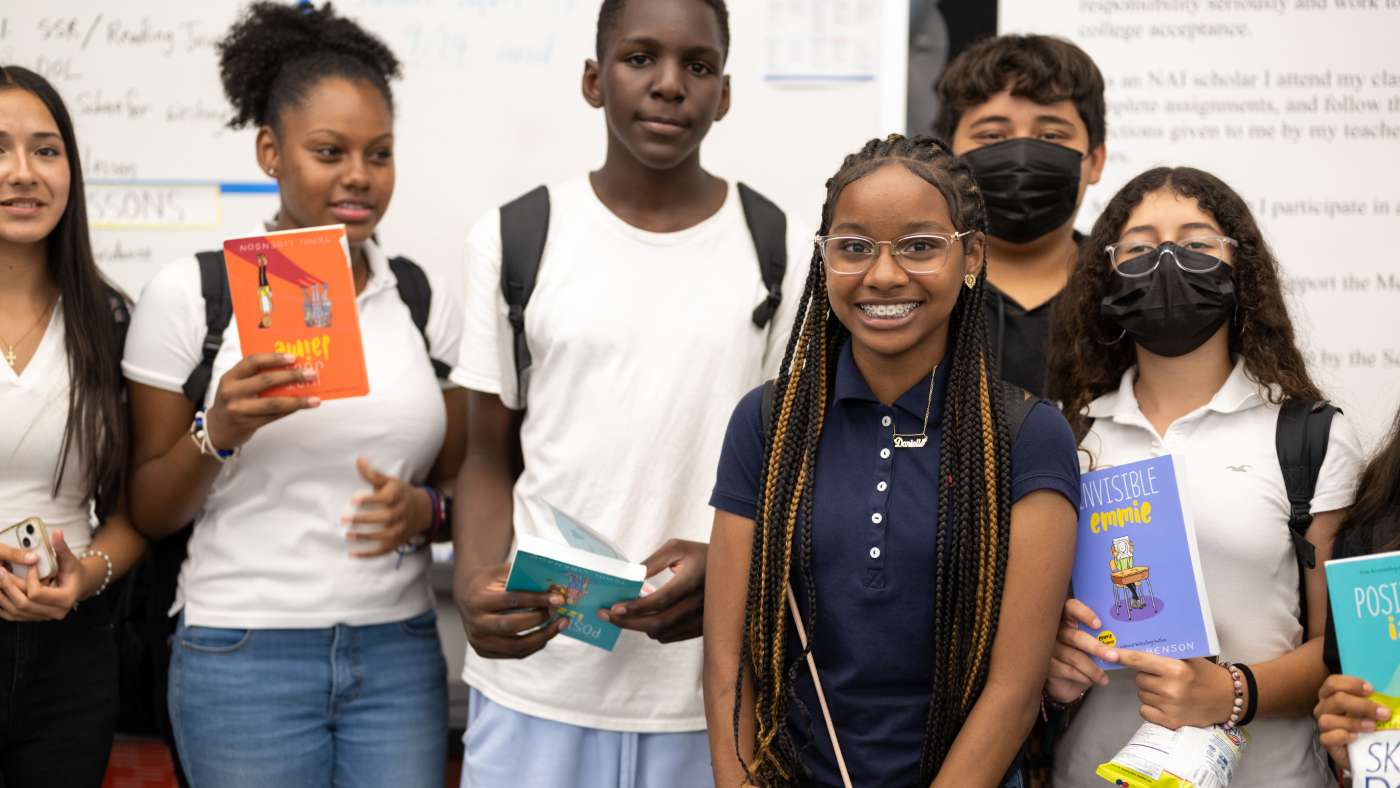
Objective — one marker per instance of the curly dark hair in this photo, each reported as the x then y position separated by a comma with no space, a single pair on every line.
274,54
1087,359
611,11
1372,524
972,524
1044,69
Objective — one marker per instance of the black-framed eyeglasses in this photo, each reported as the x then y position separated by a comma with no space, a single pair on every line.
1140,258
918,253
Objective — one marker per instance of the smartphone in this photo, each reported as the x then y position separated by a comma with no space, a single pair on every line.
31,535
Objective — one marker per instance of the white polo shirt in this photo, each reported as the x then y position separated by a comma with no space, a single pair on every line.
1229,464
33,416
268,550
641,342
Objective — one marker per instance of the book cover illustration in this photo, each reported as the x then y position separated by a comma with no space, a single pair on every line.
1136,564
588,571
293,292
1365,595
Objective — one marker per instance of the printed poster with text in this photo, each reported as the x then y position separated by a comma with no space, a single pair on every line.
1136,564
293,293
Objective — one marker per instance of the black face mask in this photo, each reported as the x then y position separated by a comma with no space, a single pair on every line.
1030,186
1171,312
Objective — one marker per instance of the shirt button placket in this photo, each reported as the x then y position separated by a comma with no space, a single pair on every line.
879,500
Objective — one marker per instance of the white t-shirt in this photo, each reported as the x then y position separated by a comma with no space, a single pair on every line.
641,343
269,550
33,414
1227,456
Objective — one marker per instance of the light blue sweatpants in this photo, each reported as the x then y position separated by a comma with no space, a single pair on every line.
507,749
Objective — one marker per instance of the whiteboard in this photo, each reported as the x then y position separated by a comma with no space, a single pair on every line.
489,106
1296,105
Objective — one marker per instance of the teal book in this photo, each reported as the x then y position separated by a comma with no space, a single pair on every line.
1365,594
587,570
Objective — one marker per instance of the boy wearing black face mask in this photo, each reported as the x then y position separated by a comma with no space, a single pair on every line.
1027,114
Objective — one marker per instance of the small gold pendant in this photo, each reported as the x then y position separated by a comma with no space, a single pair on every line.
11,357
910,442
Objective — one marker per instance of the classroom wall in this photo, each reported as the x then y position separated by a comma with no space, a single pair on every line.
489,106
1294,103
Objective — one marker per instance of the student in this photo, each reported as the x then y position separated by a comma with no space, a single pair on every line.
1372,526
306,650
640,329
927,605
64,440
1027,114
1173,337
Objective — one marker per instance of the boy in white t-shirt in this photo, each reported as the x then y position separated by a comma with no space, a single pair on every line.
642,337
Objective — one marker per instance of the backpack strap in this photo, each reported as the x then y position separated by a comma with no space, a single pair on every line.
417,293
1301,440
768,226
524,228
218,310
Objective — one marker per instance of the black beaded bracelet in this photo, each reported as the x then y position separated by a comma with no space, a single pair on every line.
1253,686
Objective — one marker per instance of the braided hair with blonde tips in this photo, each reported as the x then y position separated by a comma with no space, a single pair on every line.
974,492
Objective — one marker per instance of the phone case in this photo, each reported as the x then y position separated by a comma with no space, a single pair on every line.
31,534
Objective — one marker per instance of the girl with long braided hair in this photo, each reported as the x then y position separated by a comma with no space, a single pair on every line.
926,548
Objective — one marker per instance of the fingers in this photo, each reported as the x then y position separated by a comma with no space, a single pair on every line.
1079,613
1350,685
1143,662
67,562
14,555
1354,706
1075,638
487,600
15,602
680,621
680,588
1335,742
1075,663
369,474
518,646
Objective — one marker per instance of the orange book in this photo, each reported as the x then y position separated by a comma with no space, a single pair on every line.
293,292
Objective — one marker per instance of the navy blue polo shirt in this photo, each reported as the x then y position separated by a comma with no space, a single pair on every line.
875,514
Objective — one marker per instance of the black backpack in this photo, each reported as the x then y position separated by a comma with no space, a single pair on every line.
525,227
143,597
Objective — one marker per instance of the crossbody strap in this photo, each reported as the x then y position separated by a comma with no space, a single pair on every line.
821,696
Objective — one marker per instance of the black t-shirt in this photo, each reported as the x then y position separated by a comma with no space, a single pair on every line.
1021,338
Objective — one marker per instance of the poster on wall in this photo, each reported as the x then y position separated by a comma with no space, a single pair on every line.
1295,104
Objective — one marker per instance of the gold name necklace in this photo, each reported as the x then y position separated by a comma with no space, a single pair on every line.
920,439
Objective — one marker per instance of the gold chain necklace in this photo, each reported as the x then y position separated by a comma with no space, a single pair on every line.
919,440
11,354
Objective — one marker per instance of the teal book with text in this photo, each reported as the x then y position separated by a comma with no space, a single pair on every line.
1365,595
587,571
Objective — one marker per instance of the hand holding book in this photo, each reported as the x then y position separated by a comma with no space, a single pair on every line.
239,409
495,618
1175,692
675,610
1344,711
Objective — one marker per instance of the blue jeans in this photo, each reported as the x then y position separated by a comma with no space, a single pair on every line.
342,706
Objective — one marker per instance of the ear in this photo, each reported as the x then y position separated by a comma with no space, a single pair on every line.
1096,159
269,156
592,84
976,254
723,99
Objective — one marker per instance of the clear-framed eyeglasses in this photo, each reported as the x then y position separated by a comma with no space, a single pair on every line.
1134,258
920,253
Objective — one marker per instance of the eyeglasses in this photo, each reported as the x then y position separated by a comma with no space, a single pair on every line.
852,255
1136,258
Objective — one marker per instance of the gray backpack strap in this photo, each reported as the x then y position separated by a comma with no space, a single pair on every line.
1301,441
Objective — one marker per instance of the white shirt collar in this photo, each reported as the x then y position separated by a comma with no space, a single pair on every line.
1239,392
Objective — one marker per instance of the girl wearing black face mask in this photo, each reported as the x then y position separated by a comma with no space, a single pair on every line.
1175,340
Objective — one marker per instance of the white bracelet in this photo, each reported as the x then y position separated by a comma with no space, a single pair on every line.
106,559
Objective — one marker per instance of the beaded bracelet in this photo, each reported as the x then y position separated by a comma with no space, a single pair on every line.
106,579
1237,711
421,540
200,435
